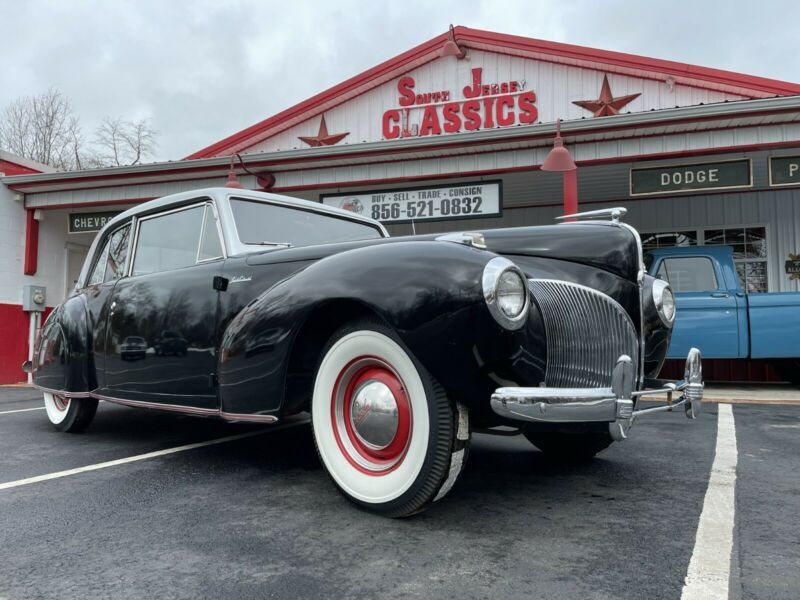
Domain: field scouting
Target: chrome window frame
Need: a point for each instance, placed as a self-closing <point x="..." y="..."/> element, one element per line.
<point x="93" y="257"/>
<point x="199" y="203"/>
<point x="220" y="237"/>
<point x="231" y="234"/>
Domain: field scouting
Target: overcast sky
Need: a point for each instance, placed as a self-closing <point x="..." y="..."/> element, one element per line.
<point x="203" y="70"/>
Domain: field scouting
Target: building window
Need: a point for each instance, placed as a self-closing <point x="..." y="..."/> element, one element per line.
<point x="749" y="253"/>
<point x="668" y="239"/>
<point x="749" y="249"/>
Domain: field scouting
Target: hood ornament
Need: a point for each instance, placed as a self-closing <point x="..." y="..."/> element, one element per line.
<point x="615" y="213"/>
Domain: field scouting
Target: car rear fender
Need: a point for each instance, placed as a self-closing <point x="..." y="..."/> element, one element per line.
<point x="62" y="360"/>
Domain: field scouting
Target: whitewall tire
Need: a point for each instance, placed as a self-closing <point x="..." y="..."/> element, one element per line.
<point x="385" y="431"/>
<point x="69" y="414"/>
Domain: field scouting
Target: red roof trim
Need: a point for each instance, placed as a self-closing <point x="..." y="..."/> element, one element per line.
<point x="632" y="61"/>
<point x="487" y="40"/>
<point x="12" y="168"/>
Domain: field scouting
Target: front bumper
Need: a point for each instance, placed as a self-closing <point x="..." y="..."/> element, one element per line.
<point x="614" y="405"/>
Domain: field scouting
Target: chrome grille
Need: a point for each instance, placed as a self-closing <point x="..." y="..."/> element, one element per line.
<point x="587" y="331"/>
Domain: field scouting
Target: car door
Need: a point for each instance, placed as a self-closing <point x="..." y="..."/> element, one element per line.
<point x="707" y="314"/>
<point x="162" y="332"/>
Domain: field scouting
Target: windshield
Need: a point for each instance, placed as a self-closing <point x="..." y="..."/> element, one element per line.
<point x="263" y="223"/>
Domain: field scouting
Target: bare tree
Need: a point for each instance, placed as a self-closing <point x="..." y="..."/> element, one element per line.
<point x="43" y="128"/>
<point x="122" y="142"/>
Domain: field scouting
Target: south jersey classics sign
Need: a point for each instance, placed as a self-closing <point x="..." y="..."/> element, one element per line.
<point x="462" y="201"/>
<point x="478" y="105"/>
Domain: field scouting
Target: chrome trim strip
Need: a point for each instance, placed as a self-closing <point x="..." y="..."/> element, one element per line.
<point x="192" y="410"/>
<point x="63" y="393"/>
<point x="640" y="281"/>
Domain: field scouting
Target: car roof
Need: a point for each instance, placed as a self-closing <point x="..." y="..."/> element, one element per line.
<point x="220" y="193"/>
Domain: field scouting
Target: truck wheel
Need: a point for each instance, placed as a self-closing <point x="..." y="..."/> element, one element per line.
<point x="69" y="414"/>
<point x="384" y="429"/>
<point x="788" y="369"/>
<point x="569" y="447"/>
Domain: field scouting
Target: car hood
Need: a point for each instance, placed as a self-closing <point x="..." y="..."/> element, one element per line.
<point x="602" y="245"/>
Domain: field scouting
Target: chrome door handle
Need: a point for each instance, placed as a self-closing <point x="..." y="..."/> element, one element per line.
<point x="720" y="295"/>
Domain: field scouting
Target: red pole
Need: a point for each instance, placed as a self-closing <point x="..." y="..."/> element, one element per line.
<point x="31" y="243"/>
<point x="570" y="192"/>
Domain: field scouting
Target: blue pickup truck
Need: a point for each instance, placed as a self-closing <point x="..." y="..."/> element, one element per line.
<point x="717" y="316"/>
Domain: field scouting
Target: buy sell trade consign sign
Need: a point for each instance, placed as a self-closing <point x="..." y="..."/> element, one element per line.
<point x="445" y="202"/>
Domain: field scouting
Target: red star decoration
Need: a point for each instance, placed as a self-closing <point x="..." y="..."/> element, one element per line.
<point x="323" y="138"/>
<point x="606" y="104"/>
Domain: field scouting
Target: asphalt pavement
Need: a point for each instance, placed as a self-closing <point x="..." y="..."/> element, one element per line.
<point x="257" y="517"/>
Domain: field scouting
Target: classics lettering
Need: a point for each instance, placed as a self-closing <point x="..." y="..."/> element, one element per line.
<point x="487" y="105"/>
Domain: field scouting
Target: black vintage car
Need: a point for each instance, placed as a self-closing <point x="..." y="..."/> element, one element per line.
<point x="399" y="348"/>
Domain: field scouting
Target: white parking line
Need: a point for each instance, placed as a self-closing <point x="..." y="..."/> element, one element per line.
<point x="18" y="410"/>
<point x="710" y="566"/>
<point x="148" y="455"/>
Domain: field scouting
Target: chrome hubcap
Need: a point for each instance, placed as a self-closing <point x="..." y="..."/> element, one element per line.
<point x="371" y="415"/>
<point x="61" y="403"/>
<point x="374" y="415"/>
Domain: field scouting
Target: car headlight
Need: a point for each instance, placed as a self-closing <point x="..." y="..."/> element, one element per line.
<point x="506" y="292"/>
<point x="664" y="300"/>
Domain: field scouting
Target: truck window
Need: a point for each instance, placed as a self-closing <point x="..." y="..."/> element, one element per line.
<point x="688" y="274"/>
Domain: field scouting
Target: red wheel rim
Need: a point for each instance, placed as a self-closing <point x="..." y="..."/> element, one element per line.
<point x="60" y="402"/>
<point x="353" y="402"/>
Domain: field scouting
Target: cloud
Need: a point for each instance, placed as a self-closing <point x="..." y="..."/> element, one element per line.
<point x="203" y="70"/>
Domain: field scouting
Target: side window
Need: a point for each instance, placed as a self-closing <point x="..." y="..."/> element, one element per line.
<point x="117" y="253"/>
<point x="99" y="267"/>
<point x="168" y="241"/>
<point x="689" y="274"/>
<point x="210" y="246"/>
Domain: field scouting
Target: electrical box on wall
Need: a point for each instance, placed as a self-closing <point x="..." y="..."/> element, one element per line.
<point x="34" y="298"/>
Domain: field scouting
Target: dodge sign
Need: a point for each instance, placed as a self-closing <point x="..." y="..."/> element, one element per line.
<point x="462" y="201"/>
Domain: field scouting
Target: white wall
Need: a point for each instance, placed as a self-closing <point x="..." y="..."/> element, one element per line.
<point x="12" y="247"/>
<point x="53" y="243"/>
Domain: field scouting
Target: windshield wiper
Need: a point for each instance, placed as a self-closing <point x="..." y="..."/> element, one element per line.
<point x="275" y="244"/>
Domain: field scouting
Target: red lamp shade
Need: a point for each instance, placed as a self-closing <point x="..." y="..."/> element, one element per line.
<point x="559" y="158"/>
<point x="233" y="182"/>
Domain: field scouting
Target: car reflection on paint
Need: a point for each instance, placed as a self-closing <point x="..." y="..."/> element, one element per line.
<point x="171" y="342"/>
<point x="133" y="348"/>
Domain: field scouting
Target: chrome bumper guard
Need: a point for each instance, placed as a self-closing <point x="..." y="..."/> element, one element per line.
<point x="613" y="404"/>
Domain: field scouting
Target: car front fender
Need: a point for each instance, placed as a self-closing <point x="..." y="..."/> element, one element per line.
<point x="429" y="293"/>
